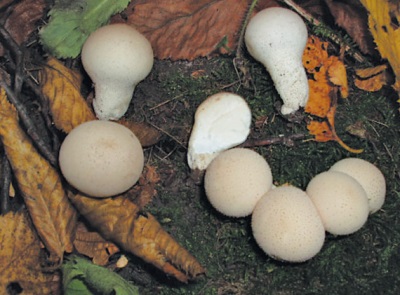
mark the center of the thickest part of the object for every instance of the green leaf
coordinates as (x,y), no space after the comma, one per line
(82,277)
(71,22)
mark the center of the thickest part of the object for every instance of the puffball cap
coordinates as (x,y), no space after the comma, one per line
(286,225)
(101,158)
(117,52)
(369,176)
(340,200)
(235,180)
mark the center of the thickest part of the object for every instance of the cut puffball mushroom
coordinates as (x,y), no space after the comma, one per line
(370,178)
(101,158)
(286,225)
(222,121)
(276,37)
(340,200)
(235,180)
(116,57)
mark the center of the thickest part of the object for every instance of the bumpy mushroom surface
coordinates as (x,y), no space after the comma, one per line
(235,180)
(370,178)
(286,225)
(101,158)
(340,200)
(277,37)
(116,57)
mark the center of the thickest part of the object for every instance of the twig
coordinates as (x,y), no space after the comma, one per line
(41,145)
(5,185)
(286,140)
(356,55)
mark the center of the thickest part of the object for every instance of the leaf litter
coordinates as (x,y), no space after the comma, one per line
(76,112)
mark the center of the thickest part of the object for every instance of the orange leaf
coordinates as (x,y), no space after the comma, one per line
(319,101)
(337,75)
(181,29)
(372,79)
(40,185)
(20,257)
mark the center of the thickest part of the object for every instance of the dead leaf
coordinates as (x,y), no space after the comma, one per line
(61,86)
(328,75)
(20,257)
(383,21)
(372,79)
(22,20)
(93,245)
(40,185)
(146,134)
(352,17)
(182,29)
(119,220)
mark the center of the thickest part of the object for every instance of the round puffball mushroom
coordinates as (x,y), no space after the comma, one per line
(235,180)
(286,225)
(222,121)
(116,57)
(101,158)
(277,37)
(340,200)
(370,178)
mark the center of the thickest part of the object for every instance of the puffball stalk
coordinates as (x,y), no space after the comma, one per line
(277,37)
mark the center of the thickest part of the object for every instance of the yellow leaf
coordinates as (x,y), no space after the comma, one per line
(20,257)
(40,185)
(372,79)
(61,86)
(383,21)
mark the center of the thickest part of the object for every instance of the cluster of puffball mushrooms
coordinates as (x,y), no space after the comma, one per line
(288,223)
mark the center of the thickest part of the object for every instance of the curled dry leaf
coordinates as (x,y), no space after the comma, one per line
(372,79)
(20,257)
(187,29)
(40,185)
(93,245)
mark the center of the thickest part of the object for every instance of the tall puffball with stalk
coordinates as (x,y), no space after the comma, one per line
(116,57)
(277,37)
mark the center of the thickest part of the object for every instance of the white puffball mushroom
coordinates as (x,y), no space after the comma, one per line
(101,158)
(277,37)
(370,178)
(221,121)
(235,180)
(286,225)
(340,200)
(116,57)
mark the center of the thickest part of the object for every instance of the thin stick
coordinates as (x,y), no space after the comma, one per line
(286,140)
(5,185)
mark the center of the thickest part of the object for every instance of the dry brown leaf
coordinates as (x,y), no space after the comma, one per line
(119,220)
(40,185)
(61,86)
(352,17)
(146,134)
(93,245)
(383,21)
(20,257)
(372,79)
(186,29)
(22,20)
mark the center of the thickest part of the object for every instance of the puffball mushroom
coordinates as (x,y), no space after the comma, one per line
(235,180)
(222,121)
(101,158)
(116,57)
(340,200)
(286,225)
(369,176)
(277,37)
